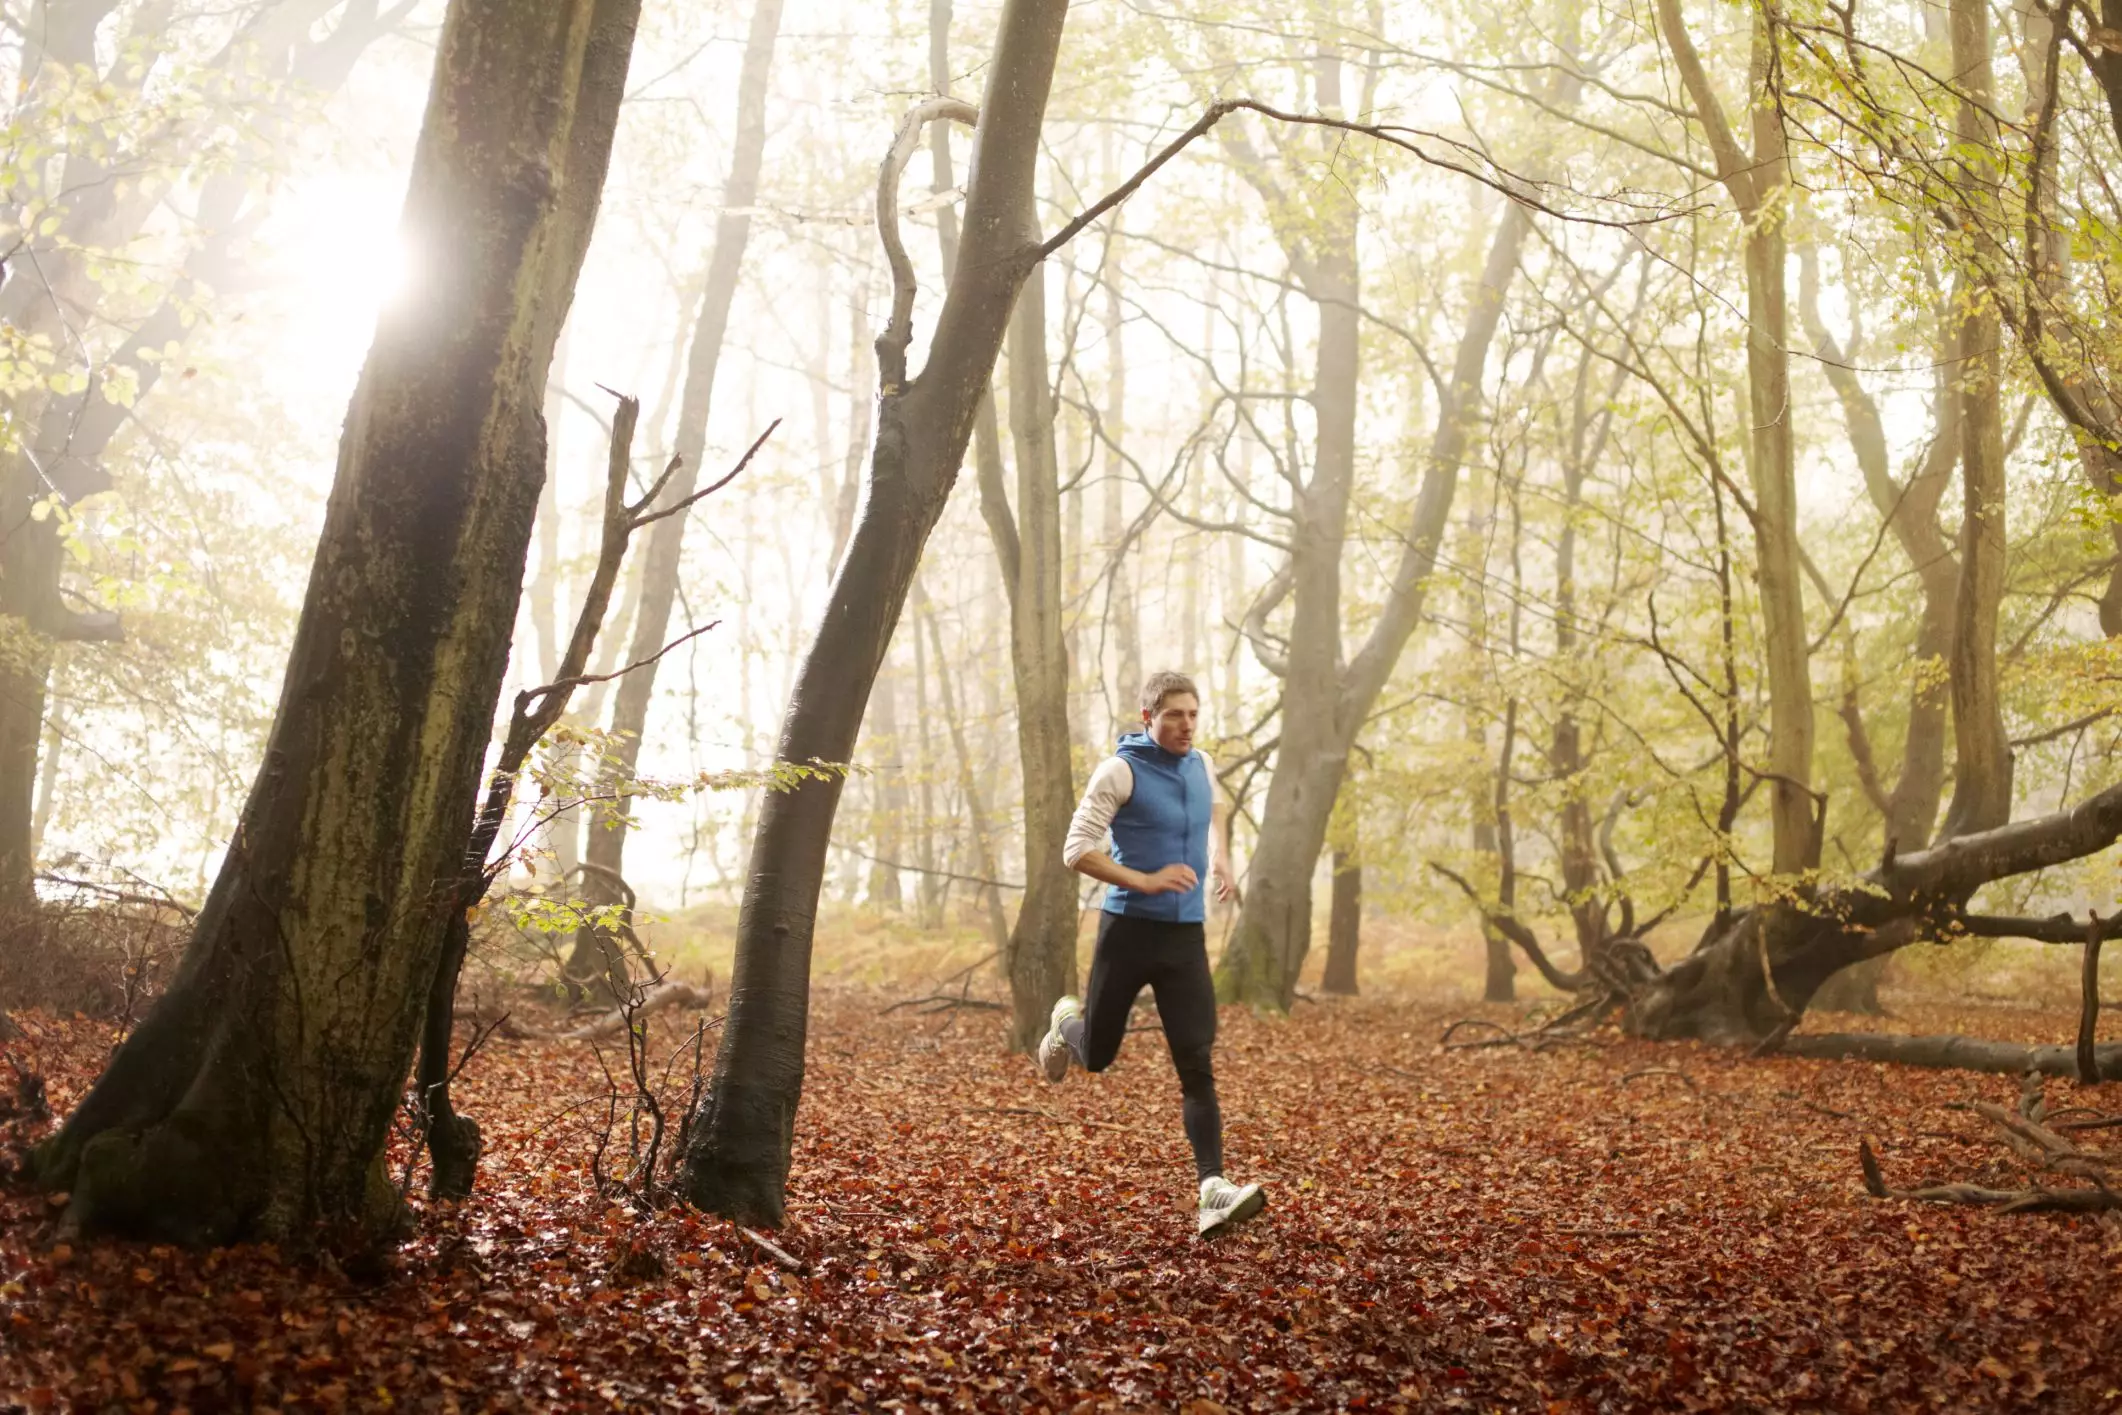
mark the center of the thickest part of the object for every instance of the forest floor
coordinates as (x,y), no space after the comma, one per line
(1617,1226)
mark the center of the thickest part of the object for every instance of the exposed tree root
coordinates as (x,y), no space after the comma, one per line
(2026,1133)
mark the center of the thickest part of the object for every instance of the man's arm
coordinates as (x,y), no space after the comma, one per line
(1112,785)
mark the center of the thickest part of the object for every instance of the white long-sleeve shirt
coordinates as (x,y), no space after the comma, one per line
(1112,786)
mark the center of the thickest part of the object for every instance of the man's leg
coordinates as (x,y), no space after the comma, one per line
(1117,973)
(1186,1001)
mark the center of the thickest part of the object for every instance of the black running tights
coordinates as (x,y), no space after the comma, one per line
(1171,959)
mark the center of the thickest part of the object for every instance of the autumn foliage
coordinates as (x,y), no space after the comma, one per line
(1612,1225)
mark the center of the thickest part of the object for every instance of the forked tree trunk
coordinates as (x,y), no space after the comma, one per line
(736,1162)
(255,1100)
(1324,704)
(598,961)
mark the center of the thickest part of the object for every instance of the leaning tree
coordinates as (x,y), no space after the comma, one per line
(254,1102)
(737,1158)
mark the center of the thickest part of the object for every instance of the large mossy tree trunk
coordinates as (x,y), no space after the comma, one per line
(1756,976)
(737,1158)
(597,962)
(254,1102)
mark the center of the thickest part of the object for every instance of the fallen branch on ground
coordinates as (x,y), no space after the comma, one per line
(1951,1053)
(2028,1137)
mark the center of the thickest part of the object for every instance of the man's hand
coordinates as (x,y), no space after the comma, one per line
(1219,874)
(1172,879)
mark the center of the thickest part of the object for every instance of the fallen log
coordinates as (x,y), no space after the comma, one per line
(1952,1053)
(609,1024)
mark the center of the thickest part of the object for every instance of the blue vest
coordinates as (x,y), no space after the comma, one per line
(1165,822)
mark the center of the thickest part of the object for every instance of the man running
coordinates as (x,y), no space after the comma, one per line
(1157,797)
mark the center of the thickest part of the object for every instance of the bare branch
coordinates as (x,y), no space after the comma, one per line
(898,333)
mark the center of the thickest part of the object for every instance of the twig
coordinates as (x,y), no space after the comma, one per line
(774,1250)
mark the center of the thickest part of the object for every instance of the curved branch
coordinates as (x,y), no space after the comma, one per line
(1519,934)
(1272,594)
(898,332)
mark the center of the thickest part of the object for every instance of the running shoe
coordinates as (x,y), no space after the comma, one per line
(1054,1054)
(1225,1205)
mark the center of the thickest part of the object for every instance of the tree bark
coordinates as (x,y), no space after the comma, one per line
(1042,945)
(737,1158)
(596,962)
(255,1100)
(1982,758)
(1755,977)
(1344,929)
(1040,955)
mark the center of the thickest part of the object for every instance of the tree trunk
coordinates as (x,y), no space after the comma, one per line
(1042,947)
(1756,976)
(1344,929)
(1324,703)
(596,962)
(1040,955)
(1757,183)
(255,1100)
(933,888)
(1122,621)
(969,778)
(1911,512)
(888,799)
(736,1162)
(1982,758)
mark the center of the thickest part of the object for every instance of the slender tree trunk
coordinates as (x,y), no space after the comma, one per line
(596,958)
(1344,930)
(737,1160)
(1911,511)
(887,798)
(1982,758)
(1759,183)
(978,821)
(1122,620)
(934,886)
(48,769)
(1040,955)
(1042,948)
(255,1100)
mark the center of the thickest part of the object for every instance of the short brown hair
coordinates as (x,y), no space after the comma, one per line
(1162,685)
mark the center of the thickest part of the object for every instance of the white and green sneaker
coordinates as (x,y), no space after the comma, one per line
(1054,1054)
(1225,1205)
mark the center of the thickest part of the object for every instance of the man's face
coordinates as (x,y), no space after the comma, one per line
(1172,725)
